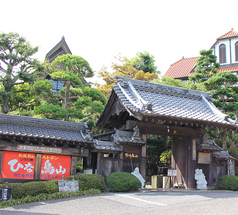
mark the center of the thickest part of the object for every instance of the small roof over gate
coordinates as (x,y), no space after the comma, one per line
(144,100)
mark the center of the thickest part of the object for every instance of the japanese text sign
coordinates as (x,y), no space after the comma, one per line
(131,154)
(19,165)
(55,166)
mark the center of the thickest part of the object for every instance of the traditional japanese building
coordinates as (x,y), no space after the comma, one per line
(61,48)
(40,149)
(225,48)
(137,108)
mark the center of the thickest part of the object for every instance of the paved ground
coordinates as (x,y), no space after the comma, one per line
(172,202)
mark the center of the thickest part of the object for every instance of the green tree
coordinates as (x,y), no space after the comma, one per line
(145,62)
(75,102)
(155,146)
(224,91)
(206,66)
(122,67)
(17,68)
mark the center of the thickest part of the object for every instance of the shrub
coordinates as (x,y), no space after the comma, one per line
(21,190)
(228,182)
(45,197)
(122,182)
(89,181)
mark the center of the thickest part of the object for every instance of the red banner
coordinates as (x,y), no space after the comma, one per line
(19,165)
(55,166)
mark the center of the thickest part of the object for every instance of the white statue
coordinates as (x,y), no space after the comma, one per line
(139,176)
(201,181)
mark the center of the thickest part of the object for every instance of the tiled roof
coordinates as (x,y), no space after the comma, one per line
(228,69)
(42,128)
(182,68)
(144,98)
(229,34)
(210,145)
(106,146)
(121,137)
(174,70)
(223,155)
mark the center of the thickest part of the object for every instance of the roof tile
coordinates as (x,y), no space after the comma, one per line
(181,68)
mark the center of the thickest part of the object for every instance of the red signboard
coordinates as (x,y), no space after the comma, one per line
(55,166)
(19,165)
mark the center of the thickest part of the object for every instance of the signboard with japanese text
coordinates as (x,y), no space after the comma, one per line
(55,166)
(18,165)
(41,149)
(131,154)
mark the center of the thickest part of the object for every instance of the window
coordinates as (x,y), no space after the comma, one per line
(236,50)
(58,85)
(222,53)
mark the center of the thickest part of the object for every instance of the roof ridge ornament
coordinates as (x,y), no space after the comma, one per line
(144,104)
(136,135)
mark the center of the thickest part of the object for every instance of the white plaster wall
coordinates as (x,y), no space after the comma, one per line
(233,54)
(226,43)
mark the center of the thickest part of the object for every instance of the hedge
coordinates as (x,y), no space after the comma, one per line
(89,181)
(46,197)
(122,182)
(228,182)
(21,190)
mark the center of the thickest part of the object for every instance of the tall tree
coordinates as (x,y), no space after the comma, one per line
(17,68)
(206,66)
(145,62)
(223,88)
(75,101)
(224,93)
(122,67)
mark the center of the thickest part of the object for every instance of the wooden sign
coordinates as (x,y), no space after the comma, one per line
(39,149)
(204,158)
(131,154)
(71,186)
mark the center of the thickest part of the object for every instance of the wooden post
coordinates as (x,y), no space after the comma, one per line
(73,165)
(37,166)
(143,158)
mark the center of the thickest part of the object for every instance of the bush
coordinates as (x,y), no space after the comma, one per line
(46,197)
(21,190)
(228,182)
(122,182)
(89,181)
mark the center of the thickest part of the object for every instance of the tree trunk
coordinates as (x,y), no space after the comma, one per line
(66,99)
(222,135)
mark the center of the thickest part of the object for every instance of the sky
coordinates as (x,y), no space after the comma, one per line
(99,30)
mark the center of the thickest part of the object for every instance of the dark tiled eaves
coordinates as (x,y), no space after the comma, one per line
(167,101)
(223,155)
(124,137)
(160,88)
(210,145)
(43,133)
(106,146)
(42,123)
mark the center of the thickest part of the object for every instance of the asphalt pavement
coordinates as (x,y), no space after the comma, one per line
(170,201)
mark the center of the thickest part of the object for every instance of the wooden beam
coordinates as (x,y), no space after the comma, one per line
(174,130)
